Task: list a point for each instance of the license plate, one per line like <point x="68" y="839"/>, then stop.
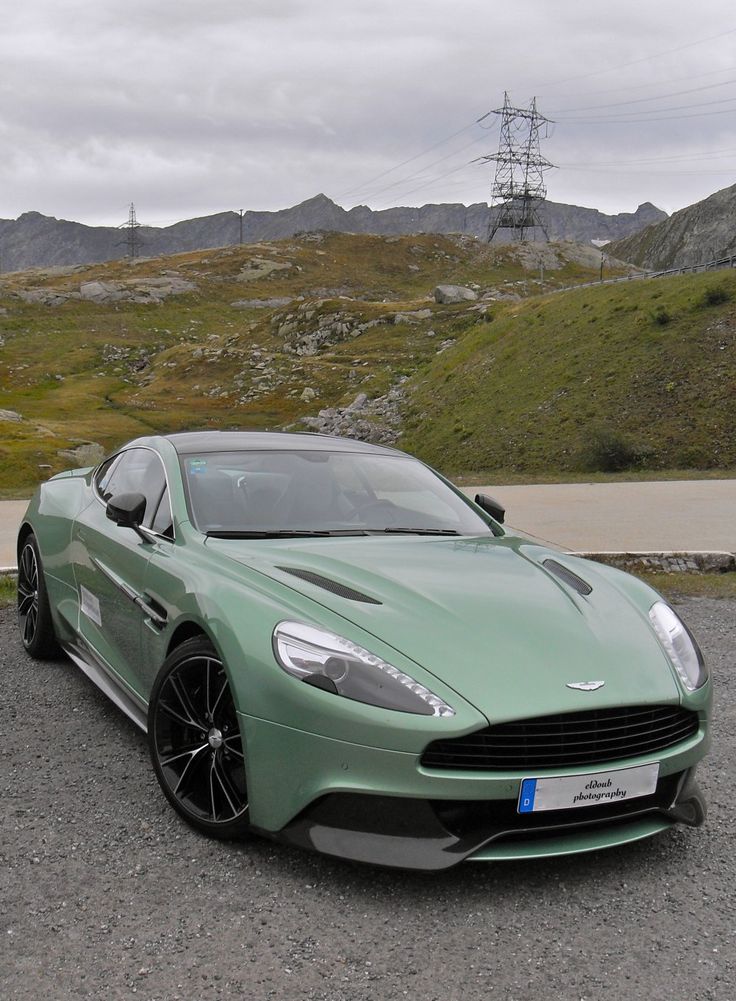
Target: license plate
<point x="565" y="792"/>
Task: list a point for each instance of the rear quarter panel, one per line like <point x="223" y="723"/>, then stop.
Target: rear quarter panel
<point x="50" y="516"/>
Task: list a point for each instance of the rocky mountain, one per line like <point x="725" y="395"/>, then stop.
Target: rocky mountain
<point x="705" y="231"/>
<point x="35" y="240"/>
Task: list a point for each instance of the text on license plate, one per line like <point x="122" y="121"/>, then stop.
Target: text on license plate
<point x="563" y="792"/>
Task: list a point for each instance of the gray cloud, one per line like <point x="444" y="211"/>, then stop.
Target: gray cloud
<point x="188" y="108"/>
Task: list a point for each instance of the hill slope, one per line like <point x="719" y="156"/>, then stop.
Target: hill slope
<point x="258" y="336"/>
<point x="697" y="234"/>
<point x="342" y="333"/>
<point x="638" y="374"/>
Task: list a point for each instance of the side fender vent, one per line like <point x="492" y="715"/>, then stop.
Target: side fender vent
<point x="570" y="578"/>
<point x="330" y="585"/>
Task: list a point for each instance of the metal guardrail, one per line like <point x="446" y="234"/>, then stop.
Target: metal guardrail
<point x="723" y="262"/>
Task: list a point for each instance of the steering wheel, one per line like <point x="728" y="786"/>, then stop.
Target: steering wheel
<point x="372" y="504"/>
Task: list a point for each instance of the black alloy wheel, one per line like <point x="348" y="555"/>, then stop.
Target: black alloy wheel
<point x="34" y="615"/>
<point x="195" y="742"/>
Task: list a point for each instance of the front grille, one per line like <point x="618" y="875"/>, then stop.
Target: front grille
<point x="568" y="739"/>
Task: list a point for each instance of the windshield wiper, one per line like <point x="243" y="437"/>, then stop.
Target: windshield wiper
<point x="283" y="533"/>
<point x="416" y="531"/>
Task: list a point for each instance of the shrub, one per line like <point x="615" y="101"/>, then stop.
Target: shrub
<point x="715" y="295"/>
<point x="661" y="316"/>
<point x="607" y="452"/>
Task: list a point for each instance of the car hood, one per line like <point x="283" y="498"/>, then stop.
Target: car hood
<point x="485" y="616"/>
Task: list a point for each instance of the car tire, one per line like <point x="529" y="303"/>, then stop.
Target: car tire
<point x="34" y="613"/>
<point x="195" y="741"/>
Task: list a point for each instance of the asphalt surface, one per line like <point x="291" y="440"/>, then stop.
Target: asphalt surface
<point x="661" y="516"/>
<point x="104" y="893"/>
<point x="11" y="513"/>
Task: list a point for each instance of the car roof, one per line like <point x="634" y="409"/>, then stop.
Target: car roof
<point x="186" y="442"/>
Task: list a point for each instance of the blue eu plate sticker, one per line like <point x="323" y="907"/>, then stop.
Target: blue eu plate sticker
<point x="526" y="796"/>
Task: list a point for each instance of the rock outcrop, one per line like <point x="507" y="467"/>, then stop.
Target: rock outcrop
<point x="141" y="290"/>
<point x="700" y="233"/>
<point x="377" y="421"/>
<point x="451" y="294"/>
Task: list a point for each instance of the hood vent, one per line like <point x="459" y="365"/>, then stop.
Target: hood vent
<point x="330" y="585"/>
<point x="569" y="578"/>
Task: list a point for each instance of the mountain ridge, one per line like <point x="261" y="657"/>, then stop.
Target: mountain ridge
<point x="37" y="240"/>
<point x="702" y="232"/>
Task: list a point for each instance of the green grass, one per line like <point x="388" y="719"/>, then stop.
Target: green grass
<point x="692" y="585"/>
<point x="88" y="372"/>
<point x="587" y="381"/>
<point x="508" y="477"/>
<point x="8" y="590"/>
<point x="555" y="385"/>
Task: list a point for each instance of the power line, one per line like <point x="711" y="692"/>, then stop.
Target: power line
<point x="634" y="115"/>
<point x="439" y="177"/>
<point x="636" y="62"/>
<point x="411" y="159"/>
<point x="704" y="155"/>
<point x="416" y="174"/>
<point x="644" y="100"/>
<point x="644" y="121"/>
<point x="726" y="172"/>
<point x="639" y="86"/>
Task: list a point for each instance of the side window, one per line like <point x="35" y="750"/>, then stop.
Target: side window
<point x="163" y="522"/>
<point x="137" y="470"/>
<point x="103" y="475"/>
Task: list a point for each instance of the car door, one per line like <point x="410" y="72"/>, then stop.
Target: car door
<point x="110" y="563"/>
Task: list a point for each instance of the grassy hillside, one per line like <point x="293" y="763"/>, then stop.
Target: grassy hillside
<point x="80" y="371"/>
<point x="638" y="374"/>
<point x="265" y="335"/>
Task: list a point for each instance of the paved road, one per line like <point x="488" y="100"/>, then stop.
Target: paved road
<point x="11" y="513"/>
<point x="682" y="515"/>
<point x="105" y="894"/>
<point x="666" y="515"/>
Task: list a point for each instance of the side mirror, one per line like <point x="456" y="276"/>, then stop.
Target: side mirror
<point x="490" y="506"/>
<point x="126" y="510"/>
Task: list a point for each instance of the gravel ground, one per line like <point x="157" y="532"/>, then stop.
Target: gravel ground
<point x="105" y="894"/>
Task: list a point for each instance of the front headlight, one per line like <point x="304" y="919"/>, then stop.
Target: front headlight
<point x="679" y="645"/>
<point x="339" y="666"/>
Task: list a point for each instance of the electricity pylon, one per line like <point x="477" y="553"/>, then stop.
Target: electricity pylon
<point x="519" y="191"/>
<point x="132" y="240"/>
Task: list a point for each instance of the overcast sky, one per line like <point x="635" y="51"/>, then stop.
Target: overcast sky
<point x="188" y="108"/>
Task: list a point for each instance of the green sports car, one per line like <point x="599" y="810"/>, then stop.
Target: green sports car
<point x="330" y="644"/>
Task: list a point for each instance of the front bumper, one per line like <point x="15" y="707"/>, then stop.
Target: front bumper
<point x="379" y="806"/>
<point x="421" y="834"/>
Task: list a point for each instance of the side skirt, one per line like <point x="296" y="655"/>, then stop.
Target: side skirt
<point x="101" y="676"/>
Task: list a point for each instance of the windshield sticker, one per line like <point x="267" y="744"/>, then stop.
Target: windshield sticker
<point x="90" y="605"/>
<point x="197" y="466"/>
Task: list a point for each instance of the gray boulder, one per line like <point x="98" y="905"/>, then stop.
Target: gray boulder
<point x="99" y="291"/>
<point x="450" y="294"/>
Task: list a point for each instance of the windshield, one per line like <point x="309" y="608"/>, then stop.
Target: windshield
<point x="262" y="493"/>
